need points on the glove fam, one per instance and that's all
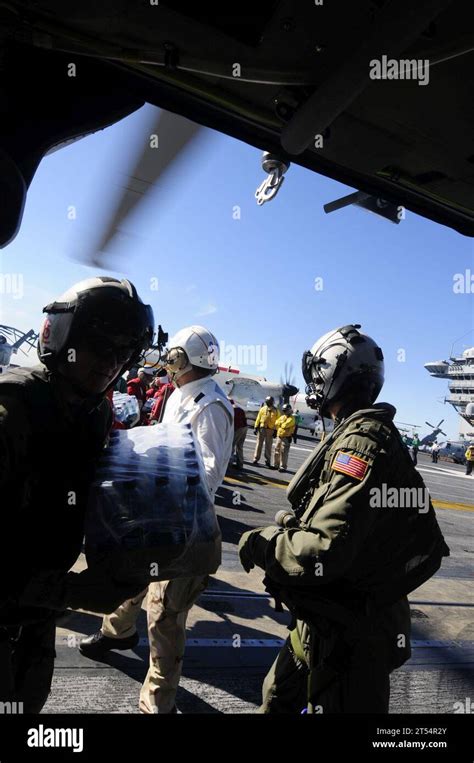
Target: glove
(245, 550)
(255, 431)
(93, 590)
(257, 547)
(274, 434)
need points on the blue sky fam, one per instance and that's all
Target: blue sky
(251, 280)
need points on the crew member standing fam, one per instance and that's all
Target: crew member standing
(192, 360)
(240, 433)
(298, 421)
(265, 429)
(285, 427)
(469, 456)
(342, 558)
(160, 399)
(415, 445)
(139, 386)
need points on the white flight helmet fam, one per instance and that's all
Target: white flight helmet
(341, 361)
(193, 346)
(101, 311)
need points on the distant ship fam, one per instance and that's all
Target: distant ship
(460, 372)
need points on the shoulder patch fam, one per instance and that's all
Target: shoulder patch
(353, 466)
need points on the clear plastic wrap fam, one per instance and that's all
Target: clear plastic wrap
(126, 409)
(150, 513)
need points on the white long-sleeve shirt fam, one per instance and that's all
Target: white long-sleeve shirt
(212, 424)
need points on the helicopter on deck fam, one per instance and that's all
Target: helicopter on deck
(12, 340)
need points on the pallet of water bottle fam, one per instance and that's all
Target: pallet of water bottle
(162, 562)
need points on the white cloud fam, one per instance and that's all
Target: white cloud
(207, 310)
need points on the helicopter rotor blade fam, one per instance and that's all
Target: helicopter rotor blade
(167, 137)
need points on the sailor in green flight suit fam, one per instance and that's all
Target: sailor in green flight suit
(361, 534)
(54, 422)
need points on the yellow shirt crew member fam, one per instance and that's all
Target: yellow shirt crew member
(264, 429)
(285, 426)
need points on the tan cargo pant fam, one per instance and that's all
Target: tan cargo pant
(282, 448)
(264, 436)
(168, 605)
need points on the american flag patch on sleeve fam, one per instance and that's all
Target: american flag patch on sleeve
(350, 465)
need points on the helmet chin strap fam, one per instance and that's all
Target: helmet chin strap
(176, 375)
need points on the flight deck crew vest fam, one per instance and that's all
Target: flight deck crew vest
(414, 545)
(44, 501)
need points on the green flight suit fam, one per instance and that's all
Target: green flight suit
(45, 453)
(345, 566)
